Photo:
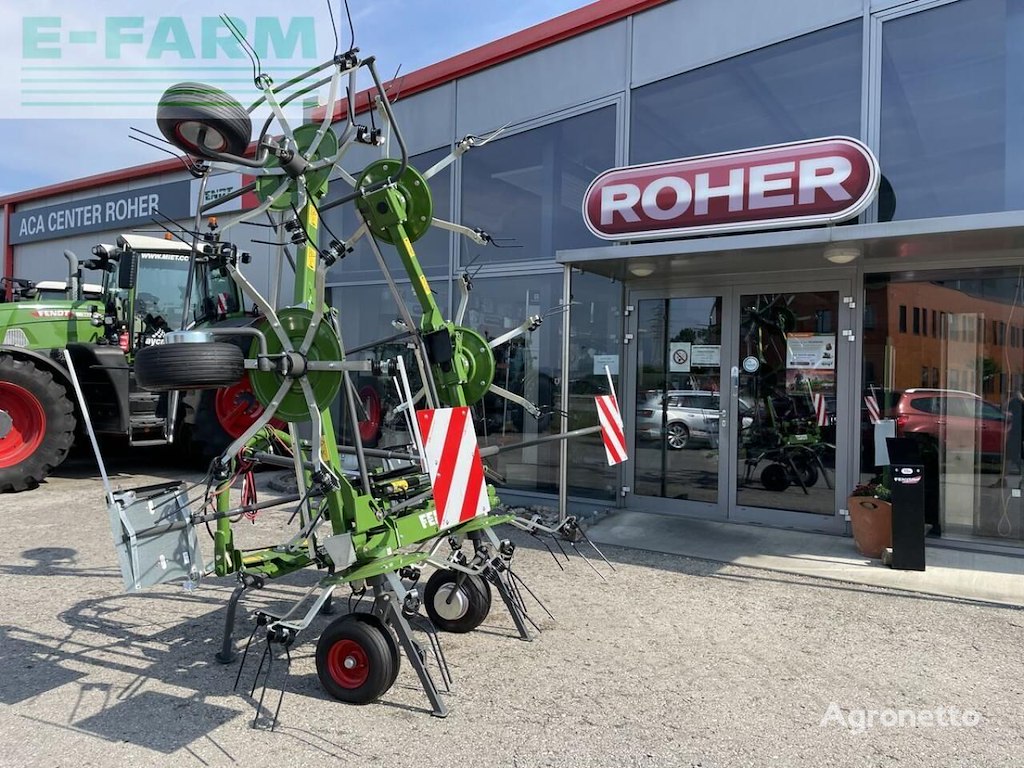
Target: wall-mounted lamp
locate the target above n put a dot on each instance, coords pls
(842, 254)
(641, 269)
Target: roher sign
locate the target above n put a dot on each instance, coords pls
(820, 181)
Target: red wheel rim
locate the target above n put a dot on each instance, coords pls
(347, 664)
(374, 409)
(28, 424)
(238, 409)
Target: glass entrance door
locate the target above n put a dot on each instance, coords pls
(787, 392)
(679, 408)
(739, 405)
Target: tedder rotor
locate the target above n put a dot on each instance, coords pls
(375, 522)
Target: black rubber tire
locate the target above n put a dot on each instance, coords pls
(185, 107)
(679, 433)
(396, 652)
(60, 424)
(474, 590)
(206, 365)
(775, 477)
(367, 644)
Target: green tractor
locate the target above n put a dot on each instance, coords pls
(142, 289)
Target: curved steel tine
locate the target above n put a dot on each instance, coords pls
(245, 655)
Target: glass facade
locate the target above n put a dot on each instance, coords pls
(526, 190)
(802, 88)
(952, 120)
(954, 386)
(943, 107)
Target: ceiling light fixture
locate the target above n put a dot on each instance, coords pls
(839, 254)
(641, 269)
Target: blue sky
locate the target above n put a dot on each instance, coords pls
(407, 33)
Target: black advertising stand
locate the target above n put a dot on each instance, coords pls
(908, 503)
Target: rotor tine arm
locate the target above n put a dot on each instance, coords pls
(478, 236)
(281, 190)
(464, 286)
(345, 176)
(405, 405)
(532, 409)
(527, 326)
(531, 593)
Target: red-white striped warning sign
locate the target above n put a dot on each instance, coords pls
(453, 461)
(612, 433)
(820, 412)
(874, 416)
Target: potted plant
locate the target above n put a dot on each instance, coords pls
(871, 517)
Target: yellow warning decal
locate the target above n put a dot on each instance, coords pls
(314, 217)
(310, 258)
(424, 283)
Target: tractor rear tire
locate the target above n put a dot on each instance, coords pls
(206, 365)
(37, 424)
(203, 121)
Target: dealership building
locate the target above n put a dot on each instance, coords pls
(762, 291)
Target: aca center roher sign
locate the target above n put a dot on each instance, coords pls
(820, 181)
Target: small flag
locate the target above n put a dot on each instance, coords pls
(819, 409)
(874, 416)
(612, 432)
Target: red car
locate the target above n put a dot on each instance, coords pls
(956, 420)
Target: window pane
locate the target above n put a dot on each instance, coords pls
(595, 322)
(528, 366)
(529, 187)
(799, 89)
(950, 128)
(970, 447)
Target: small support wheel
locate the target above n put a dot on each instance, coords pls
(456, 602)
(355, 661)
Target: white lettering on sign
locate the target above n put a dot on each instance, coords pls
(704, 191)
(619, 198)
(761, 185)
(824, 173)
(837, 170)
(683, 195)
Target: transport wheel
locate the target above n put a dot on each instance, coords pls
(775, 477)
(37, 424)
(355, 661)
(677, 436)
(456, 602)
(206, 365)
(203, 121)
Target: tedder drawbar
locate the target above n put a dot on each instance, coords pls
(375, 526)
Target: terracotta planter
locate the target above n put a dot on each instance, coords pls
(871, 520)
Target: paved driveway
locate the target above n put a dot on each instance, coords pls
(672, 662)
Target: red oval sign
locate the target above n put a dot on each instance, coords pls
(806, 182)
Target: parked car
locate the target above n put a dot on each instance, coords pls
(682, 416)
(953, 419)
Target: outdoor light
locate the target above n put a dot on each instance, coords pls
(839, 254)
(641, 269)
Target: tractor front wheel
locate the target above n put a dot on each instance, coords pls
(37, 424)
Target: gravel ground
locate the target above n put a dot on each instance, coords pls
(672, 662)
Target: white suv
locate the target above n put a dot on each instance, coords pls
(689, 415)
